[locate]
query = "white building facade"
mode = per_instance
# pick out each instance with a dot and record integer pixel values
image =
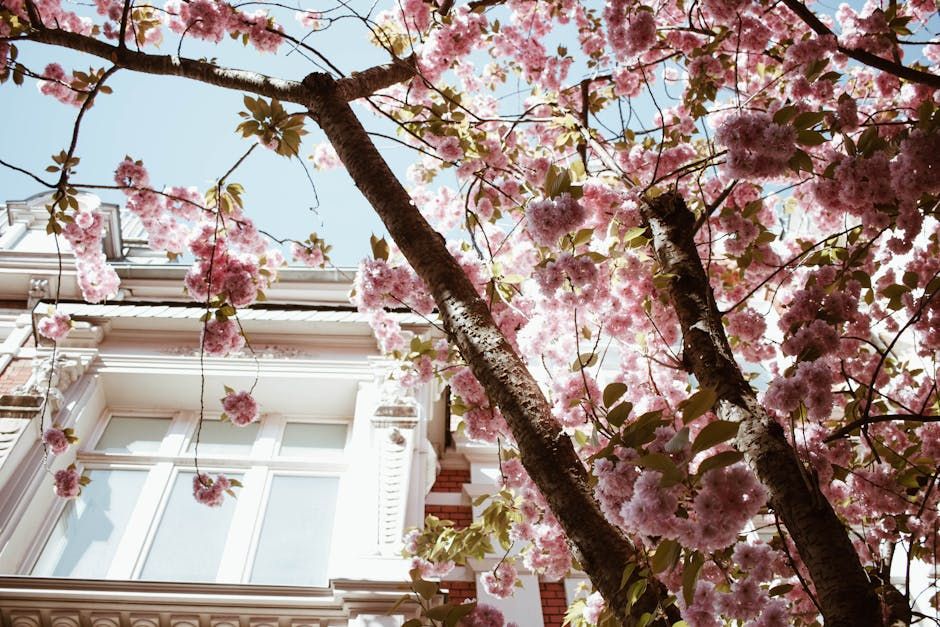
(339, 466)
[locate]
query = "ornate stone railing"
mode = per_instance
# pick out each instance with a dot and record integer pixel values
(47, 602)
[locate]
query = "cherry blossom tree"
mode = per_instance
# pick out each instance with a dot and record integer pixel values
(687, 274)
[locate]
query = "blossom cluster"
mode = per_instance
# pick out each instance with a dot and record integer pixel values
(212, 20)
(68, 482)
(97, 280)
(58, 440)
(240, 407)
(548, 219)
(758, 147)
(55, 325)
(209, 491)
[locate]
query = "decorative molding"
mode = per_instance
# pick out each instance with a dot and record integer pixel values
(38, 290)
(109, 619)
(20, 618)
(264, 351)
(53, 377)
(47, 602)
(145, 620)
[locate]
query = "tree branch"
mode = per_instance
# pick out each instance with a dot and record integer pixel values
(546, 452)
(356, 86)
(870, 420)
(842, 587)
(365, 83)
(885, 65)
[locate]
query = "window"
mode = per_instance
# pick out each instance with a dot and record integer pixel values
(137, 519)
(86, 536)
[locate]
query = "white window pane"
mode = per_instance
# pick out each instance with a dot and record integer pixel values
(294, 546)
(86, 536)
(302, 438)
(224, 438)
(133, 435)
(190, 538)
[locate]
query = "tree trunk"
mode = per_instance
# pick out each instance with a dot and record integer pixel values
(843, 589)
(546, 453)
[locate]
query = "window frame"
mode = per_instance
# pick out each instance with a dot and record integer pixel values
(258, 469)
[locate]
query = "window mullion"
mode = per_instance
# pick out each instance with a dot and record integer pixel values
(248, 512)
(132, 544)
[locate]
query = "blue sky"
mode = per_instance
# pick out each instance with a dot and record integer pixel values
(184, 132)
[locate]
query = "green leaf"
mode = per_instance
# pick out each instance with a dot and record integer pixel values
(808, 119)
(800, 161)
(690, 574)
(439, 613)
(635, 591)
(662, 464)
(785, 114)
(380, 248)
(697, 404)
(810, 138)
(634, 233)
(458, 612)
(781, 589)
(714, 433)
(618, 415)
(613, 392)
(725, 458)
(427, 589)
(678, 442)
(557, 182)
(627, 573)
(412, 622)
(910, 279)
(665, 556)
(584, 360)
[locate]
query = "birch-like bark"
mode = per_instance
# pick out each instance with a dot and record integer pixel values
(546, 452)
(844, 592)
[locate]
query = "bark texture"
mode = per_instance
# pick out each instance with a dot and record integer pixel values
(901, 71)
(357, 85)
(843, 589)
(546, 452)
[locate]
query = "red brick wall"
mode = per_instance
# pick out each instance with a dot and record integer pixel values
(462, 515)
(460, 591)
(554, 605)
(15, 374)
(451, 480)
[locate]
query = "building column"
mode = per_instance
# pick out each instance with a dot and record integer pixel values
(394, 432)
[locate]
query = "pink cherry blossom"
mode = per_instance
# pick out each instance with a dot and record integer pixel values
(57, 85)
(547, 220)
(68, 483)
(500, 582)
(56, 440)
(593, 607)
(55, 326)
(758, 148)
(240, 407)
(222, 337)
(483, 615)
(209, 491)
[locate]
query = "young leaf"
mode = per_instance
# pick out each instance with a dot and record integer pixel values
(662, 464)
(665, 556)
(697, 404)
(725, 458)
(714, 433)
(613, 392)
